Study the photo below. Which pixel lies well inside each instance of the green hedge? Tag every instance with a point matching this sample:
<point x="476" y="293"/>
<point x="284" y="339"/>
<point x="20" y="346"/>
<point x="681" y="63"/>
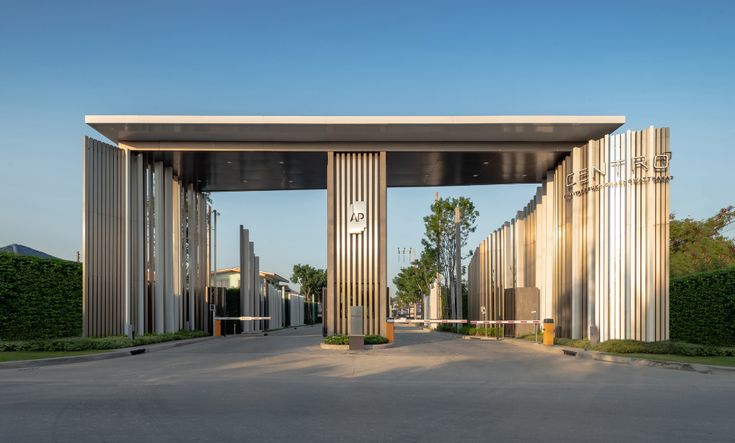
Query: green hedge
<point x="470" y="330"/>
<point x="375" y="340"/>
<point x="39" y="298"/>
<point x="660" y="347"/>
<point x="345" y="340"/>
<point x="91" y="343"/>
<point x="337" y="340"/>
<point x="702" y="308"/>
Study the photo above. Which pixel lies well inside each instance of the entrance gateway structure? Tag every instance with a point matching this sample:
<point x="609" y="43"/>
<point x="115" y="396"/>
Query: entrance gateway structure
<point x="589" y="240"/>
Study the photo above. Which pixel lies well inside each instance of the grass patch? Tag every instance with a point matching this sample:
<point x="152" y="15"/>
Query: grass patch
<point x="664" y="347"/>
<point x="662" y="350"/>
<point x="581" y="343"/>
<point x="345" y="340"/>
<point x="23" y="355"/>
<point x="73" y="344"/>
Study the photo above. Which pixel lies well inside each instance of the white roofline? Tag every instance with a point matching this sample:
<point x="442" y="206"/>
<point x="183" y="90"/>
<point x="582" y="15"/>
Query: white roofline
<point x="353" y="120"/>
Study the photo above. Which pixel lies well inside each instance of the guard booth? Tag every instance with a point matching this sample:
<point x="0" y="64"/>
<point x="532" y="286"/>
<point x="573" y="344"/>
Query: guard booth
<point x="520" y="304"/>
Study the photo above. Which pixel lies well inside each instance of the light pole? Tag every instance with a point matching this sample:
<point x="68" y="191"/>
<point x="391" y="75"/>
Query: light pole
<point x="214" y="242"/>
<point x="458" y="266"/>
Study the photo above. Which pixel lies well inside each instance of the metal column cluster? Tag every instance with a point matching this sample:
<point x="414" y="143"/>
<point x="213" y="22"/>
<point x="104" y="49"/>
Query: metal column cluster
<point x="274" y="301"/>
<point x="145" y="243"/>
<point x="251" y="284"/>
<point x="356" y="262"/>
<point x="594" y="241"/>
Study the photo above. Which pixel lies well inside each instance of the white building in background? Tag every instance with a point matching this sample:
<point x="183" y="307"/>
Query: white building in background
<point x="273" y="297"/>
<point x="226" y="278"/>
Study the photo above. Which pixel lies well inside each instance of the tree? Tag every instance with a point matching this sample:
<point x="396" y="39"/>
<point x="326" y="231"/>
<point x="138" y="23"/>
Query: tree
<point x="413" y="282"/>
<point x="699" y="245"/>
<point x="439" y="242"/>
<point x="311" y="279"/>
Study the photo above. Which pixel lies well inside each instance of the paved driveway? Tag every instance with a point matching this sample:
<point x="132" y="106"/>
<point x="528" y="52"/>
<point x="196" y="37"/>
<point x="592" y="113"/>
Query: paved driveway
<point x="431" y="387"/>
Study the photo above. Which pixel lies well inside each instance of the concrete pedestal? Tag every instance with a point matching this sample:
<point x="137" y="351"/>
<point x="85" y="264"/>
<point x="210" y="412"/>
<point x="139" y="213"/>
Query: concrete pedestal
<point x="357" y="342"/>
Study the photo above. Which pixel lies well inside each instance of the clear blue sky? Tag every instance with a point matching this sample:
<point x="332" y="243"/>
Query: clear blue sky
<point x="659" y="63"/>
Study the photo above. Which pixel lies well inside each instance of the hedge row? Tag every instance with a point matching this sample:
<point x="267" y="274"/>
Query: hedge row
<point x="39" y="298"/>
<point x="702" y="308"/>
<point x="92" y="343"/>
<point x="660" y="347"/>
<point x="345" y="340"/>
<point x="471" y="330"/>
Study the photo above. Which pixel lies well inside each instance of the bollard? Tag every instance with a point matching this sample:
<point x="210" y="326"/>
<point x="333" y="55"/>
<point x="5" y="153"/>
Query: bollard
<point x="389" y="332"/>
<point x="218" y="328"/>
<point x="548" y="332"/>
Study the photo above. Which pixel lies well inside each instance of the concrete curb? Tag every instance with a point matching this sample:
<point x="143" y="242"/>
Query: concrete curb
<point x="291" y="328"/>
<point x="270" y="331"/>
<point x="113" y="353"/>
<point x="479" y="337"/>
<point x="619" y="359"/>
<point x="347" y="347"/>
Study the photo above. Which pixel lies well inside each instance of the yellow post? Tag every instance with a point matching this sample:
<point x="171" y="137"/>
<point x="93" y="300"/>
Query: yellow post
<point x="548" y="332"/>
<point x="389" y="332"/>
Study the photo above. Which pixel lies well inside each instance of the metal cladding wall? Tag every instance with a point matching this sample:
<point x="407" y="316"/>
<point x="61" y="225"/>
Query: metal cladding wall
<point x="275" y="306"/>
<point x="158" y="283"/>
<point x="103" y="226"/>
<point x="357" y="262"/>
<point x="594" y="241"/>
<point x="252" y="296"/>
<point x="296" y="309"/>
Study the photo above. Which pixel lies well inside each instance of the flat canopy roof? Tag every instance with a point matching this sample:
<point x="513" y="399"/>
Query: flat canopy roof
<point x="235" y="153"/>
<point x="300" y="129"/>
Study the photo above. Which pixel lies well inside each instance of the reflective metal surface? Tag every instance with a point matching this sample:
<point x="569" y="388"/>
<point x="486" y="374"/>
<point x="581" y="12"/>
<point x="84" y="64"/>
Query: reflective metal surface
<point x="167" y="249"/>
<point x="594" y="241"/>
<point x="356" y="260"/>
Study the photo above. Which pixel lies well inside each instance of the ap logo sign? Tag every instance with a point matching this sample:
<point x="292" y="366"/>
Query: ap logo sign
<point x="356" y="218"/>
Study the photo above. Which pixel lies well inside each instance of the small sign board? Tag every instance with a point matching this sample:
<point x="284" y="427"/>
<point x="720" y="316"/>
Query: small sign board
<point x="357" y="217"/>
<point x="356" y="321"/>
<point x="211" y="308"/>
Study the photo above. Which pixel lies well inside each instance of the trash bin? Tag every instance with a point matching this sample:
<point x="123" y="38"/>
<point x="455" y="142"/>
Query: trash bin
<point x="548" y="332"/>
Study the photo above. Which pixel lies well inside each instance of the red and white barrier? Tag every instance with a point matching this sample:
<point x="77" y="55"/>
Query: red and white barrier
<point x="411" y="320"/>
<point x="474" y="322"/>
<point x="506" y="322"/>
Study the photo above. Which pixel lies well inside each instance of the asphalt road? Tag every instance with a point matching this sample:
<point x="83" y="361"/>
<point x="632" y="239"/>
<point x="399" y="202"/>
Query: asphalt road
<point x="431" y="387"/>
